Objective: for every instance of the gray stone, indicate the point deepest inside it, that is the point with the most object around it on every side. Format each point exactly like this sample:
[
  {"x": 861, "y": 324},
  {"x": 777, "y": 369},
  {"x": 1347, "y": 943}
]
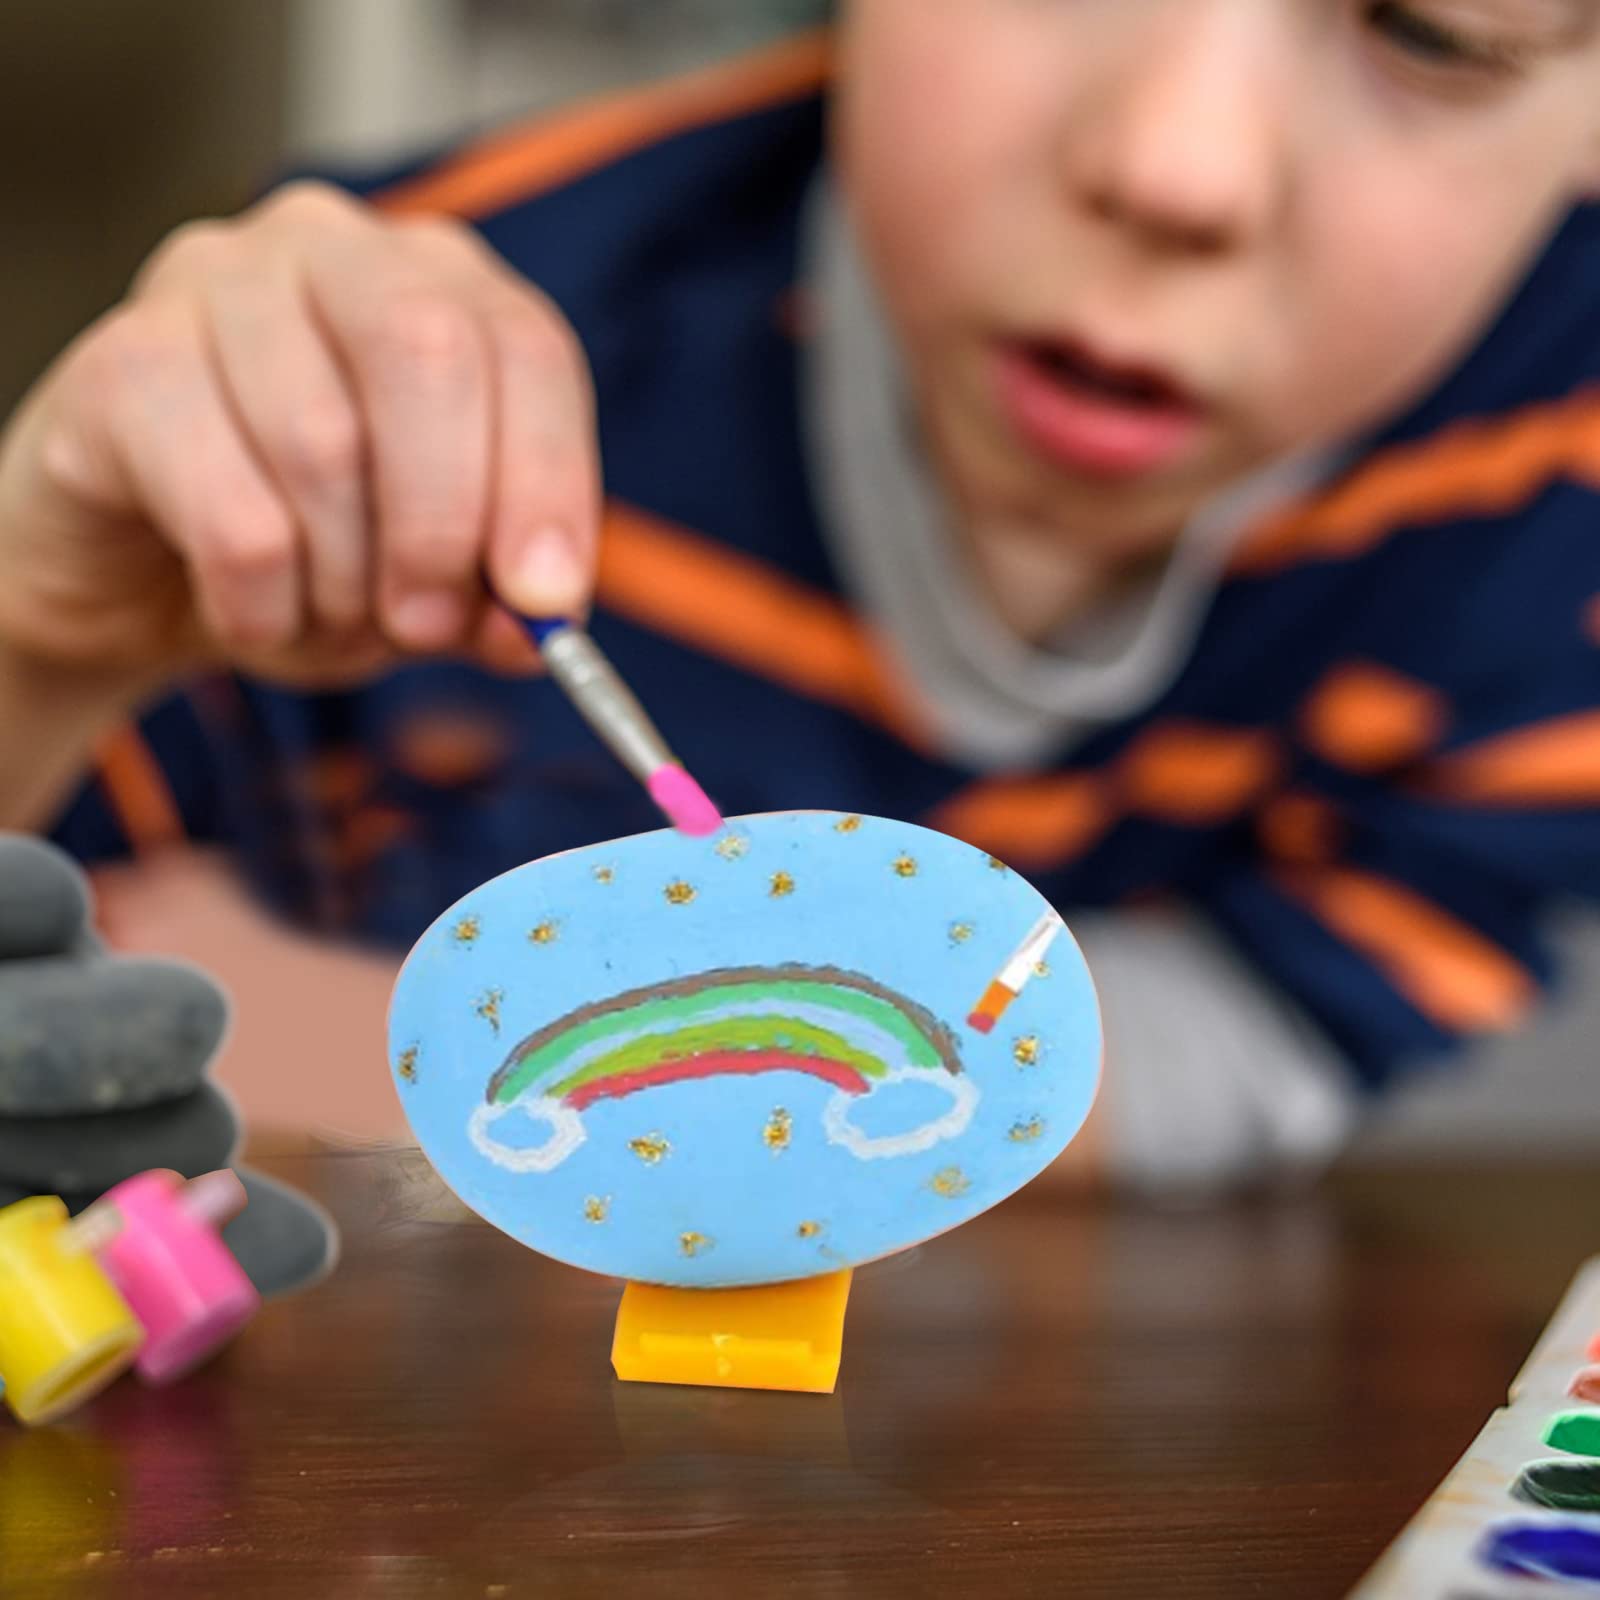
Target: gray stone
[
  {"x": 281, "y": 1239},
  {"x": 87, "y": 1154},
  {"x": 82, "y": 1036},
  {"x": 44, "y": 897}
]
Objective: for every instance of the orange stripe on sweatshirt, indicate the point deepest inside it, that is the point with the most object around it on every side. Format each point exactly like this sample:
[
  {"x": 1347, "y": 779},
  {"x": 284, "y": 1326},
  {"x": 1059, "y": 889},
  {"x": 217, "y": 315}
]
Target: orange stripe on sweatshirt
[
  {"x": 1484, "y": 467},
  {"x": 1029, "y": 822},
  {"x": 1190, "y": 774},
  {"x": 1196, "y": 774},
  {"x": 733, "y": 607},
  {"x": 137, "y": 790},
  {"x": 1369, "y": 718},
  {"x": 553, "y": 149},
  {"x": 1300, "y": 829},
  {"x": 1454, "y": 975},
  {"x": 1546, "y": 764}
]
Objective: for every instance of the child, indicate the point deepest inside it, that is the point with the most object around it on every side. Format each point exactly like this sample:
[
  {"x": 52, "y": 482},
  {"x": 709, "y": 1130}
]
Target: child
[{"x": 1148, "y": 439}]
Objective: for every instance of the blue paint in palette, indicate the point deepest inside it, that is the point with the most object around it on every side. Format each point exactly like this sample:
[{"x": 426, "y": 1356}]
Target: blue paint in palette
[
  {"x": 1554, "y": 1551},
  {"x": 1472, "y": 1532},
  {"x": 743, "y": 1059}
]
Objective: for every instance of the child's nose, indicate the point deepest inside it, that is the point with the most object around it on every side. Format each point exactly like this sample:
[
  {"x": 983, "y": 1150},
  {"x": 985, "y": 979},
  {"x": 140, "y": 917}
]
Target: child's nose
[{"x": 1184, "y": 140}]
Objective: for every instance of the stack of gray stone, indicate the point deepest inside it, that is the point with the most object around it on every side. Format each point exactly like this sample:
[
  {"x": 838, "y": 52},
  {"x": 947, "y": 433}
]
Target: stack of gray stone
[{"x": 103, "y": 1071}]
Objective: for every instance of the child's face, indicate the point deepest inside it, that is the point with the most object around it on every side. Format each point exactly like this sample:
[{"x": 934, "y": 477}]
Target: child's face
[{"x": 1134, "y": 248}]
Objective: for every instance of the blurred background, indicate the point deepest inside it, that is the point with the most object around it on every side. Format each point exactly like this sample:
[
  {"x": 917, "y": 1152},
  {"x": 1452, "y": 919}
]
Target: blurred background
[{"x": 125, "y": 120}]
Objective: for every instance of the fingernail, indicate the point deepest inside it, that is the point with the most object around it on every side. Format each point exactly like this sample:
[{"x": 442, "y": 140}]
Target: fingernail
[
  {"x": 428, "y": 619},
  {"x": 550, "y": 578}
]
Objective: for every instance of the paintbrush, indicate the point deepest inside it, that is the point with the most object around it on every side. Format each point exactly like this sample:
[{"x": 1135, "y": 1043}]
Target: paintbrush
[
  {"x": 1013, "y": 977},
  {"x": 610, "y": 707}
]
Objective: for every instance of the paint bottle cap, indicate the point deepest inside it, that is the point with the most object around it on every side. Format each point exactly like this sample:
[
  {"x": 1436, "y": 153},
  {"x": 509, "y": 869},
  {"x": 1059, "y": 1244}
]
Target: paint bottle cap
[
  {"x": 65, "y": 1331},
  {"x": 173, "y": 1269}
]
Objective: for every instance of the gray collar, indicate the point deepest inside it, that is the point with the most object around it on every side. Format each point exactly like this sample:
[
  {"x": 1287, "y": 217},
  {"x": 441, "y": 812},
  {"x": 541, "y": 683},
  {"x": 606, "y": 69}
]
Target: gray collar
[{"x": 993, "y": 699}]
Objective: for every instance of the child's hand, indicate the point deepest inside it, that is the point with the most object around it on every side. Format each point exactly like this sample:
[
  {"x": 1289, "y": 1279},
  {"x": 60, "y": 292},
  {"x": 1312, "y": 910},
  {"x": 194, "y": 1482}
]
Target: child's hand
[{"x": 297, "y": 446}]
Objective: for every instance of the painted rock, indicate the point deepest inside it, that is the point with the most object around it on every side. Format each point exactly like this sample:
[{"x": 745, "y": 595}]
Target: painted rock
[{"x": 807, "y": 1042}]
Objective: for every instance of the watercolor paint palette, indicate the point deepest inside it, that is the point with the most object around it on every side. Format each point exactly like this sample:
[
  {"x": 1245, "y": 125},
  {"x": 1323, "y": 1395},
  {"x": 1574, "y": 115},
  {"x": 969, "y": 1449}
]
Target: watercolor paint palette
[
  {"x": 1520, "y": 1515},
  {"x": 802, "y": 1044}
]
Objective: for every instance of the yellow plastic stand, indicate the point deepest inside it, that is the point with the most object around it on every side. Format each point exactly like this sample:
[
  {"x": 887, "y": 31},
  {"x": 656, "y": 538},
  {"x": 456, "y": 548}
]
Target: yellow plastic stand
[
  {"x": 65, "y": 1332},
  {"x": 779, "y": 1336}
]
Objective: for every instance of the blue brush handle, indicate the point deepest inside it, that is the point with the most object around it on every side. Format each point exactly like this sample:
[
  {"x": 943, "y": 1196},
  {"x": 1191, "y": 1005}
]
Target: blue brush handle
[{"x": 540, "y": 628}]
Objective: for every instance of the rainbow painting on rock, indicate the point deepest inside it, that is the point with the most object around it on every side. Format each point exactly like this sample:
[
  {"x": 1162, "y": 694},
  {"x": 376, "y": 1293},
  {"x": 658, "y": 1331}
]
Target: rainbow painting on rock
[
  {"x": 807, "y": 1042},
  {"x": 839, "y": 1027}
]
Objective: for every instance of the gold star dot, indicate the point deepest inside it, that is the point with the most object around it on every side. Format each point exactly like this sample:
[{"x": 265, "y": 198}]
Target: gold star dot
[
  {"x": 605, "y": 875},
  {"x": 488, "y": 1007},
  {"x": 1041, "y": 969},
  {"x": 406, "y": 1066},
  {"x": 595, "y": 1209},
  {"x": 778, "y": 1131},
  {"x": 544, "y": 933},
  {"x": 1025, "y": 1132},
  {"x": 809, "y": 1230},
  {"x": 1025, "y": 1052},
  {"x": 782, "y": 884},
  {"x": 650, "y": 1148},
  {"x": 950, "y": 1182},
  {"x": 961, "y": 932},
  {"x": 998, "y": 865},
  {"x": 466, "y": 931},
  {"x": 733, "y": 847},
  {"x": 679, "y": 893},
  {"x": 694, "y": 1244},
  {"x": 850, "y": 824},
  {"x": 905, "y": 866}
]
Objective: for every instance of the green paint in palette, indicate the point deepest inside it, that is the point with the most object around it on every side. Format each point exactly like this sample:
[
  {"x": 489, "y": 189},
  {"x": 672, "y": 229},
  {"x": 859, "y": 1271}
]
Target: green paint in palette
[
  {"x": 1561, "y": 1485},
  {"x": 1577, "y": 1432}
]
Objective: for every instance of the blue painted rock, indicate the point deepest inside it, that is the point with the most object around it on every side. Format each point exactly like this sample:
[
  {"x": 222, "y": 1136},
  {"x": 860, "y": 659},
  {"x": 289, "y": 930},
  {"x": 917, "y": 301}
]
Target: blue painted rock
[{"x": 805, "y": 1043}]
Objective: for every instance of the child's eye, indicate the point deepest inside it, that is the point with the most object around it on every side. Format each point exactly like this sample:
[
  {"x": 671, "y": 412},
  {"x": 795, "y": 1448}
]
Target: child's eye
[{"x": 1439, "y": 44}]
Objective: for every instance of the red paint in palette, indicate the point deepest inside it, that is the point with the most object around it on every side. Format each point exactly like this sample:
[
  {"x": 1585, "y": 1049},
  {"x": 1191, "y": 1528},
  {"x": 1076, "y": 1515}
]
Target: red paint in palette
[{"x": 1586, "y": 1386}]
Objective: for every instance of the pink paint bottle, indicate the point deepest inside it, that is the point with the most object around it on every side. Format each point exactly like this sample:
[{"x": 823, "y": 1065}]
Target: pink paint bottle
[{"x": 161, "y": 1247}]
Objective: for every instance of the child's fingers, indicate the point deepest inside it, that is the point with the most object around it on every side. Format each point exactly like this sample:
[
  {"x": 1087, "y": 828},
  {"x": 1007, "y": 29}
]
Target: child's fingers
[
  {"x": 545, "y": 512},
  {"x": 417, "y": 356},
  {"x": 289, "y": 392},
  {"x": 157, "y": 416}
]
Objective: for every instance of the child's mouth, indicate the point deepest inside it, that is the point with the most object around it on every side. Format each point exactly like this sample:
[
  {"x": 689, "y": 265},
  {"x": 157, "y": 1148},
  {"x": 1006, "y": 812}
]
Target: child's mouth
[{"x": 1091, "y": 415}]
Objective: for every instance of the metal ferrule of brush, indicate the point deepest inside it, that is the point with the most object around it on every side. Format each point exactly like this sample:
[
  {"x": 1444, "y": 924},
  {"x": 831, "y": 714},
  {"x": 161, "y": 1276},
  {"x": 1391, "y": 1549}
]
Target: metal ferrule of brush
[{"x": 606, "y": 702}]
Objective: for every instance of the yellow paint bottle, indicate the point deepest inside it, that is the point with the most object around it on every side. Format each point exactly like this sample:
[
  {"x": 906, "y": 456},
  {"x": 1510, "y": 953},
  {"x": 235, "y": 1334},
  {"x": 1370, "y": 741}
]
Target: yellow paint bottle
[{"x": 65, "y": 1332}]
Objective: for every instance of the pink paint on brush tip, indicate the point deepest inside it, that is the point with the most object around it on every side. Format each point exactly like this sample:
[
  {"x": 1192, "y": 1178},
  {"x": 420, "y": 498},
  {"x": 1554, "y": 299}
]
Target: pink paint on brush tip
[
  {"x": 982, "y": 1021},
  {"x": 686, "y": 804}
]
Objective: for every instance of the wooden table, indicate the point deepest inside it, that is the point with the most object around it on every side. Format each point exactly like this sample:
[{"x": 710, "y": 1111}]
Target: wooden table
[{"x": 1064, "y": 1398}]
